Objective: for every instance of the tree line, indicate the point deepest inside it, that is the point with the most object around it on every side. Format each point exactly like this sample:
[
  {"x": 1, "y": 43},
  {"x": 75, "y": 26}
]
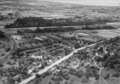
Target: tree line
[
  {"x": 98, "y": 27},
  {"x": 47, "y": 30},
  {"x": 41, "y": 22}
]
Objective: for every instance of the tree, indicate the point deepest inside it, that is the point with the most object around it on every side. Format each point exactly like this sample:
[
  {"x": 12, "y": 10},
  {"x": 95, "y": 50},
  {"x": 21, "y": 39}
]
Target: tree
[
  {"x": 80, "y": 74},
  {"x": 2, "y": 34},
  {"x": 66, "y": 76},
  {"x": 85, "y": 80},
  {"x": 8, "y": 49},
  {"x": 38, "y": 76},
  {"x": 107, "y": 76},
  {"x": 36, "y": 81},
  {"x": 72, "y": 71},
  {"x": 77, "y": 45},
  {"x": 53, "y": 78},
  {"x": 11, "y": 81},
  {"x": 50, "y": 82},
  {"x": 1, "y": 65},
  {"x": 116, "y": 75},
  {"x": 65, "y": 82}
]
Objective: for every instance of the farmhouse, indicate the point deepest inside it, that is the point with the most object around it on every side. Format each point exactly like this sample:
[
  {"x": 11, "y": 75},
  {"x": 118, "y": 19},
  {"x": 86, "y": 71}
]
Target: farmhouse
[
  {"x": 17, "y": 37},
  {"x": 82, "y": 34}
]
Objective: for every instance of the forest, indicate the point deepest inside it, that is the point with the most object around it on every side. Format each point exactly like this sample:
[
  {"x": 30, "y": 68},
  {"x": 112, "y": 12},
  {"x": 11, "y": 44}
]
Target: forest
[{"x": 41, "y": 22}]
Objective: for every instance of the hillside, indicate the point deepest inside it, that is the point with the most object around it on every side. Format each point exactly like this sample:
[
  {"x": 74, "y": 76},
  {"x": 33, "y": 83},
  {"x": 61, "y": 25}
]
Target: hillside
[{"x": 40, "y": 8}]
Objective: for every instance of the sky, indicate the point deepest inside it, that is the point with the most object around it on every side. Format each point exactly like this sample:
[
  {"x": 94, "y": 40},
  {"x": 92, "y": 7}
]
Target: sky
[{"x": 91, "y": 2}]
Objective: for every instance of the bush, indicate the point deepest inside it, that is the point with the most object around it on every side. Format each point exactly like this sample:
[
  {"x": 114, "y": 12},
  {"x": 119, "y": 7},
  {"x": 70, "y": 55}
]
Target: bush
[
  {"x": 1, "y": 65},
  {"x": 38, "y": 76},
  {"x": 2, "y": 34},
  {"x": 80, "y": 74}
]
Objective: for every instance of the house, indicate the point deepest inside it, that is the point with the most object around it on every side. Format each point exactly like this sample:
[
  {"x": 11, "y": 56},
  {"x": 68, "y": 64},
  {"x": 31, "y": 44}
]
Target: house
[
  {"x": 75, "y": 64},
  {"x": 37, "y": 57},
  {"x": 39, "y": 38},
  {"x": 17, "y": 37}
]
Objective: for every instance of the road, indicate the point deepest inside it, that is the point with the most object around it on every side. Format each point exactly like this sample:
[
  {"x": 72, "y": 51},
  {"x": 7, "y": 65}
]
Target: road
[
  {"x": 102, "y": 77},
  {"x": 54, "y": 64},
  {"x": 13, "y": 47}
]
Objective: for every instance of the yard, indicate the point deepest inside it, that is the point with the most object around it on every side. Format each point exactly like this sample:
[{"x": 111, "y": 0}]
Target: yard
[
  {"x": 5, "y": 47},
  {"x": 109, "y": 76}
]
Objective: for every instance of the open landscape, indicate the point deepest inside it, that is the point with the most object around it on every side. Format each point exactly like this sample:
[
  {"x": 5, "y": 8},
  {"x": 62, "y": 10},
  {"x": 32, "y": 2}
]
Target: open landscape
[{"x": 55, "y": 42}]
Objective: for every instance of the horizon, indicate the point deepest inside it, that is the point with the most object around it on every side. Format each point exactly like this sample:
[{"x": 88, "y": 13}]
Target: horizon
[{"x": 90, "y": 2}]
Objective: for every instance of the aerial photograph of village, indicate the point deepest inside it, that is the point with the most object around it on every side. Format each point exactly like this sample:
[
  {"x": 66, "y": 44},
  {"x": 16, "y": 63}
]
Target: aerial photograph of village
[{"x": 59, "y": 41}]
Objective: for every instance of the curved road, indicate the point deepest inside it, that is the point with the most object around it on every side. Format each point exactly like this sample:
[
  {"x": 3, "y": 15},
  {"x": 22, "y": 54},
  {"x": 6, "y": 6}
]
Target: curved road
[
  {"x": 13, "y": 47},
  {"x": 102, "y": 77}
]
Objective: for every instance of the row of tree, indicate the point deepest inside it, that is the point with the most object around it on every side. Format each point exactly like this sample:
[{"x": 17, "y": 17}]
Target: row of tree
[
  {"x": 98, "y": 27},
  {"x": 41, "y": 22},
  {"x": 59, "y": 29},
  {"x": 47, "y": 30}
]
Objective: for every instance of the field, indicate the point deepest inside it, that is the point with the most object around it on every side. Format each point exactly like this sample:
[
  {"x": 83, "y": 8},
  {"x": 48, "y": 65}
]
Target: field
[
  {"x": 92, "y": 35},
  {"x": 115, "y": 24},
  {"x": 108, "y": 33},
  {"x": 109, "y": 76},
  {"x": 89, "y": 35},
  {"x": 100, "y": 34},
  {"x": 5, "y": 22}
]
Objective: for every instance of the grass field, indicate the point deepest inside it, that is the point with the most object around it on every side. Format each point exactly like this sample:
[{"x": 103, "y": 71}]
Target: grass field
[
  {"x": 1, "y": 27},
  {"x": 110, "y": 79},
  {"x": 108, "y": 33},
  {"x": 99, "y": 34},
  {"x": 115, "y": 24},
  {"x": 89, "y": 35},
  {"x": 5, "y": 22}
]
